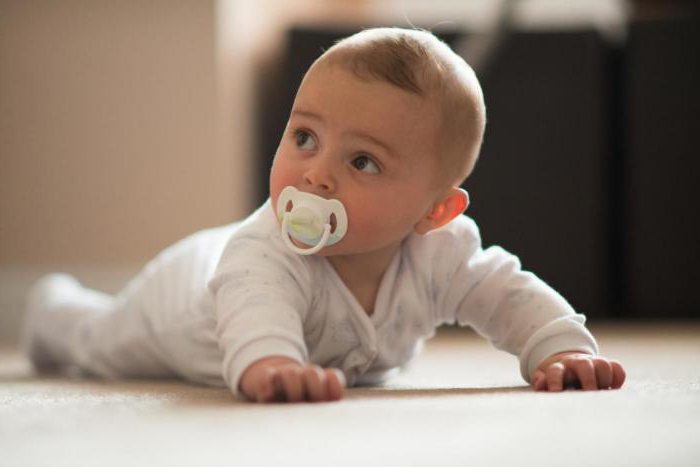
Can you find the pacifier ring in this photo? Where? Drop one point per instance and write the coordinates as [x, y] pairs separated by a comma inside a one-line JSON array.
[[286, 237]]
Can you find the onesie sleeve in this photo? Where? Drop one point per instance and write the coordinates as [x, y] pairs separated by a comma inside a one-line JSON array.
[[260, 301], [518, 312]]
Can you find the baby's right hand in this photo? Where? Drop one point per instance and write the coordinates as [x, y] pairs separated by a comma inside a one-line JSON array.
[[281, 379]]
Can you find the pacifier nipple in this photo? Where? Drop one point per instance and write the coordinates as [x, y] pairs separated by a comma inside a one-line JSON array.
[[310, 219], [304, 223]]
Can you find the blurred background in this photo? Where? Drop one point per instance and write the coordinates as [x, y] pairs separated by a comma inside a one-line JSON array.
[[125, 126]]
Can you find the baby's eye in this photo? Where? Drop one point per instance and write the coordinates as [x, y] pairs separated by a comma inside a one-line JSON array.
[[365, 164], [304, 140]]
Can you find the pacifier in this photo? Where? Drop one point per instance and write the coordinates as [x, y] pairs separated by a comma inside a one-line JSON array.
[[310, 219]]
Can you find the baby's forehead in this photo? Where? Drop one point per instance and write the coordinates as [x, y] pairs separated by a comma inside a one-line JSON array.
[[339, 97], [333, 83]]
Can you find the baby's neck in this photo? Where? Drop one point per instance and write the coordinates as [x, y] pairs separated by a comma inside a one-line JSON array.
[[362, 273]]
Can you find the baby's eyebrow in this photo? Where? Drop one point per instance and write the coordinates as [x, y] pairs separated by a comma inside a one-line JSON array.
[[359, 134], [306, 113]]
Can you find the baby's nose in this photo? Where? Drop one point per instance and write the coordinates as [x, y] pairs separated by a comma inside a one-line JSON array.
[[320, 178]]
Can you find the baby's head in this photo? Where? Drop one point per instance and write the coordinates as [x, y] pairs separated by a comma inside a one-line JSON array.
[[420, 63], [389, 122]]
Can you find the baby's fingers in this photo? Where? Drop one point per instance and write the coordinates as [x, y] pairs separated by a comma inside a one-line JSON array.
[[266, 386], [335, 383], [292, 383], [539, 380], [555, 376], [324, 384], [585, 372], [618, 374], [315, 382], [603, 372]]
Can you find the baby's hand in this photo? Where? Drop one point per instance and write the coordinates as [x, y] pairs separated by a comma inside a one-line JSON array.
[[281, 379], [589, 372]]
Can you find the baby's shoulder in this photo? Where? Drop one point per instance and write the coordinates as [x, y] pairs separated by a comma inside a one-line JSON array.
[[449, 244], [461, 228], [461, 231]]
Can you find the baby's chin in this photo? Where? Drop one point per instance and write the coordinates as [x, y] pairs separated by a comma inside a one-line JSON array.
[[349, 250]]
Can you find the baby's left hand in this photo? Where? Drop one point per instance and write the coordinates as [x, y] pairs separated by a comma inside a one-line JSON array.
[[576, 369]]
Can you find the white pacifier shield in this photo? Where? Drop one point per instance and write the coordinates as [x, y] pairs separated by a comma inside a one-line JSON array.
[[309, 220]]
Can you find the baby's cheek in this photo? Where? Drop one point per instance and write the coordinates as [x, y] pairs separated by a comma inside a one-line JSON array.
[[279, 179], [364, 224]]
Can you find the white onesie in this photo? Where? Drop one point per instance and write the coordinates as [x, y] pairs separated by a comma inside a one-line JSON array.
[[264, 300]]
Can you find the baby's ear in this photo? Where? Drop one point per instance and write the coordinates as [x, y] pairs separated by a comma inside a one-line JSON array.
[[452, 205]]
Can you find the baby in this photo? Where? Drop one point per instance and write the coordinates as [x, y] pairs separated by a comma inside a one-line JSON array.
[[360, 253]]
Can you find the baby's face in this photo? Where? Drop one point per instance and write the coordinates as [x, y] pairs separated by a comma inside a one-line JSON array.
[[368, 144]]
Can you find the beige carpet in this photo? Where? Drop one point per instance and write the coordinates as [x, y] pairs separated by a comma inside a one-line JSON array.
[[462, 403]]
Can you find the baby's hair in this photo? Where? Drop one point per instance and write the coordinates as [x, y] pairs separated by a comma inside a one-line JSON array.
[[418, 62]]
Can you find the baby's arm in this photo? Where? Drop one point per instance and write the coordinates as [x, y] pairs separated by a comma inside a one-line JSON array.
[[261, 297], [521, 314], [282, 379], [575, 369]]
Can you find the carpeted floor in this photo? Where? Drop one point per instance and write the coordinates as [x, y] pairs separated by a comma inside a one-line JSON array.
[[462, 403]]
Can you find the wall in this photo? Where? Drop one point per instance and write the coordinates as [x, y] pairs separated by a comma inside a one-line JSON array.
[[120, 133], [109, 130]]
